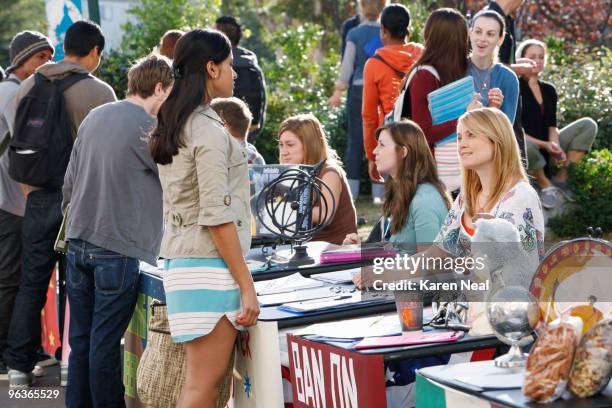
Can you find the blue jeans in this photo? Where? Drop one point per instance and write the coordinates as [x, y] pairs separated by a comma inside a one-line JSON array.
[[40, 225], [102, 290], [354, 148]]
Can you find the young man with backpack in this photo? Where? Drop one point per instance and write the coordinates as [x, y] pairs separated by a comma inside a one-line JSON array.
[[28, 50], [383, 75], [250, 84], [38, 156]]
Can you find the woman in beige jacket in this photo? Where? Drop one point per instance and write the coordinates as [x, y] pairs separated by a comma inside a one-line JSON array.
[[204, 176]]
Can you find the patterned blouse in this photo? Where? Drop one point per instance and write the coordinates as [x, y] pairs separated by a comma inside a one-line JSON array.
[[520, 206]]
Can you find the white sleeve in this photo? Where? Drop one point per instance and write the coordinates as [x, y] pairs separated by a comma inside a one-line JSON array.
[[448, 237], [523, 209], [348, 65]]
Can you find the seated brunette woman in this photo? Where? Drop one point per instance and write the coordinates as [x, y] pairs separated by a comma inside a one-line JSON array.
[[303, 141], [546, 144], [416, 202]]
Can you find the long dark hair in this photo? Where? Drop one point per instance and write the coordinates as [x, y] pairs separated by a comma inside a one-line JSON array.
[[193, 51], [446, 44], [417, 167]]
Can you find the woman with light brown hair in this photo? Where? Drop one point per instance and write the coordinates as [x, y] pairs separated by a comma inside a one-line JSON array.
[[416, 201], [494, 184], [302, 140]]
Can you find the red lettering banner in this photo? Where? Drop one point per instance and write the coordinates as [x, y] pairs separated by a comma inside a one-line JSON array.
[[324, 376]]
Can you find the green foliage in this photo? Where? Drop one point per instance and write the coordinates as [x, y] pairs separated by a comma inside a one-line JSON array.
[[255, 35], [591, 181], [298, 83], [418, 16], [114, 69], [155, 17], [16, 16], [583, 83]]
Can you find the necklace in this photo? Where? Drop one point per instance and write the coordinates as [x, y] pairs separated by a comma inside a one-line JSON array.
[[481, 207], [482, 77]]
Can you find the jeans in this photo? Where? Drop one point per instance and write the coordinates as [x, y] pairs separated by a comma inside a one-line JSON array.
[[40, 226], [354, 149], [10, 267], [102, 291]]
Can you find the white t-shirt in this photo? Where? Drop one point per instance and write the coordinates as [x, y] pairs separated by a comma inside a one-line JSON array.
[[520, 206]]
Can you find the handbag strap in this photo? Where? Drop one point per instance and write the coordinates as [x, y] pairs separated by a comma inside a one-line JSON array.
[[400, 74], [396, 114]]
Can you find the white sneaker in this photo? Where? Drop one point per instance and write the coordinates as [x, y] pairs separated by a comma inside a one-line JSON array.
[[38, 371], [19, 379], [551, 197], [377, 201]]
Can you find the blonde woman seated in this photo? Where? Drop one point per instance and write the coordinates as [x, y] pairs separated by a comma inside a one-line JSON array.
[[493, 185], [303, 141], [416, 202]]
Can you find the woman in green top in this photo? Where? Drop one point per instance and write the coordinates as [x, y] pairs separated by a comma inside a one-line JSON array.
[[416, 202]]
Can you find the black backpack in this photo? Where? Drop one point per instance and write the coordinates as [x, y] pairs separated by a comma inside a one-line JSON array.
[[250, 87], [42, 141]]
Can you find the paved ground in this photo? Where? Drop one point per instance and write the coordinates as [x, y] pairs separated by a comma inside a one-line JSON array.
[[50, 383]]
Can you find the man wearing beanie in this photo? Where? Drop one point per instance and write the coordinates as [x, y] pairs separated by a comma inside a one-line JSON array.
[[28, 50], [83, 45]]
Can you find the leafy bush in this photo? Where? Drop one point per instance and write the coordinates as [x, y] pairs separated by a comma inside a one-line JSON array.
[[16, 16], [155, 17], [298, 83], [582, 79], [113, 70], [591, 181]]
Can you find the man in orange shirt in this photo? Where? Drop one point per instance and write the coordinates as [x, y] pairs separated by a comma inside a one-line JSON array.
[[383, 75]]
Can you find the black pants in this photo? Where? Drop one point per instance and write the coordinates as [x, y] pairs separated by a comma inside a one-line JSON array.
[[41, 224], [517, 126], [10, 267]]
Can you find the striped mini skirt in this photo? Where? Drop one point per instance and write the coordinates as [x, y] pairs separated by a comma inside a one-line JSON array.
[[199, 292]]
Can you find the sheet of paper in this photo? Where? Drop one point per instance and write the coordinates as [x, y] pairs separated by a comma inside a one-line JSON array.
[[286, 284], [495, 381], [155, 270], [482, 374], [296, 296], [343, 276], [387, 326], [353, 328]]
